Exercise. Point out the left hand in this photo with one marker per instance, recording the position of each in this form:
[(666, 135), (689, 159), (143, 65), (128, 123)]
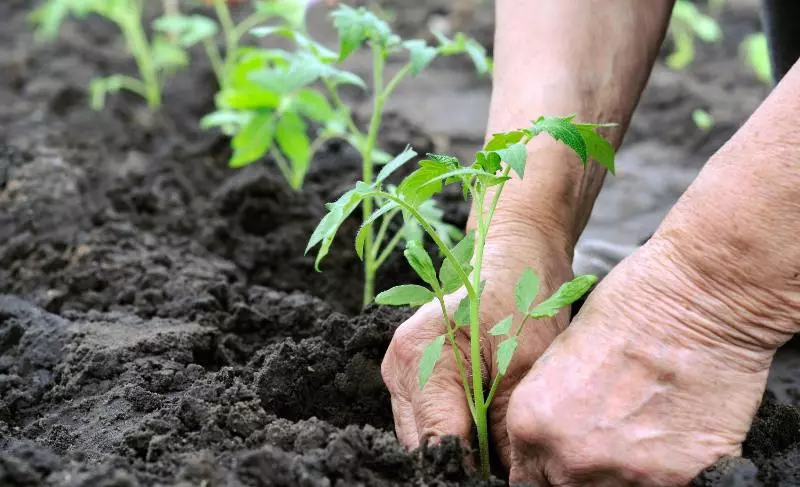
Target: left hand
[(656, 379)]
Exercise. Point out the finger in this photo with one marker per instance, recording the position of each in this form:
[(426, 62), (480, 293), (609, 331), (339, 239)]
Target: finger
[(405, 427), (441, 408)]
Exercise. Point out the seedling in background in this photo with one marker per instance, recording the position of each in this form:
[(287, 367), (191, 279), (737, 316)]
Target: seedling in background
[(483, 181), (273, 96), (755, 52), (156, 58), (688, 23)]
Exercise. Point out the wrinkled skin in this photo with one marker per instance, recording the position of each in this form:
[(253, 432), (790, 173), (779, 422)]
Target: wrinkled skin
[(643, 378)]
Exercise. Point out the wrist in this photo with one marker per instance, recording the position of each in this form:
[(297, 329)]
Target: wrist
[(732, 298), (553, 201)]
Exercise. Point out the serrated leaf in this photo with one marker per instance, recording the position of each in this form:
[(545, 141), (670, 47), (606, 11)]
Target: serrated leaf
[(361, 236), (463, 253), (503, 327), (355, 26), (405, 295), (503, 140), (505, 352), (393, 165), (414, 190), (189, 29), (526, 290), (168, 56), (564, 130), (313, 105), (292, 140), (293, 11), (254, 140), (421, 55), (428, 360), (461, 316), (421, 262), (597, 147), (338, 211), (567, 294), (516, 155), (465, 175), (488, 161), (300, 73)]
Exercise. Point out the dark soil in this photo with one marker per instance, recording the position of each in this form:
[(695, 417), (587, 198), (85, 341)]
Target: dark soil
[(160, 325)]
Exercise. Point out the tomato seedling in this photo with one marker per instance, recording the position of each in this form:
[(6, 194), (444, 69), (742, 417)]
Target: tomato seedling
[(156, 58), (273, 96), (462, 264)]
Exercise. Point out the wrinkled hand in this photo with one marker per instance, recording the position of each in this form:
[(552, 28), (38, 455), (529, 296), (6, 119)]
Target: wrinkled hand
[(651, 383), (441, 409)]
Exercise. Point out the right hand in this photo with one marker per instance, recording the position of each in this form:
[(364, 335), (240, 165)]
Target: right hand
[(440, 408)]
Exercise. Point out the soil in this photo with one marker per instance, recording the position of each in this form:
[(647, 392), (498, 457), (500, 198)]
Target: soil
[(159, 323)]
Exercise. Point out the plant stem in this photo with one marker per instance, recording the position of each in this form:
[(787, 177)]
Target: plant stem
[(217, 64), (387, 251), (448, 254), (283, 165), (229, 31), (387, 220), (378, 60), (137, 42), (476, 358), (451, 336)]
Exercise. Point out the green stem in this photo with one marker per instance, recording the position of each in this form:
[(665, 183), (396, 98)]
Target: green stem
[(217, 64), (229, 31), (378, 60), (386, 221), (283, 165), (137, 42), (249, 23), (475, 337), (387, 251), (451, 336), (434, 236), (342, 107)]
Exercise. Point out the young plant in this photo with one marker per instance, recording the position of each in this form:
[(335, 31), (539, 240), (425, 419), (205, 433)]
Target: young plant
[(483, 181), (156, 58), (688, 23), (272, 96)]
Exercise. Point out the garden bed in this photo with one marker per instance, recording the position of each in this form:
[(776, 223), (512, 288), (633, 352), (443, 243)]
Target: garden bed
[(159, 323)]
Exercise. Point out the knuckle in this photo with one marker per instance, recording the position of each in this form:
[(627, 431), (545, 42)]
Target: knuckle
[(526, 421)]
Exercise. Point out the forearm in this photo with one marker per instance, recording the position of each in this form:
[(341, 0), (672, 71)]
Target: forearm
[(557, 57), (738, 225)]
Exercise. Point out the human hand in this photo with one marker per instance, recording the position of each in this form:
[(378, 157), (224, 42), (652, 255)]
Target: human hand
[(659, 376), (441, 408)]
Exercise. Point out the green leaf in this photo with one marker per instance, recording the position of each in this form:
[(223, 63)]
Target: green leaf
[(361, 236), (293, 141), (293, 11), (393, 165), (465, 175), (247, 99), (755, 51), (488, 161), (503, 327), (463, 253), (429, 358), (702, 119), (567, 294), (477, 53), (355, 26), (503, 140), (229, 121), (405, 295), (564, 130), (597, 147), (526, 290), (414, 188), (298, 74), (421, 262), (313, 105), (189, 29), (516, 155), (254, 140), (461, 316), (168, 56), (338, 211), (421, 55), (505, 351)]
